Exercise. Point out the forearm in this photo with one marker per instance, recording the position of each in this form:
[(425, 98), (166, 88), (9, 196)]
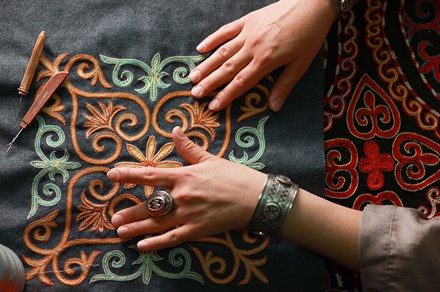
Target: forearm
[(324, 227)]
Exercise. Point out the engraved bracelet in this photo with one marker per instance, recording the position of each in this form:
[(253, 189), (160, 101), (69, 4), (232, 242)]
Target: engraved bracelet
[(275, 202)]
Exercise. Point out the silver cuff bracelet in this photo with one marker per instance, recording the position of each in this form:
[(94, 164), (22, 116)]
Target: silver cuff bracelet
[(275, 203)]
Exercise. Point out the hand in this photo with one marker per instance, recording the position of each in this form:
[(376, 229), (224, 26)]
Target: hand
[(211, 196), (287, 33)]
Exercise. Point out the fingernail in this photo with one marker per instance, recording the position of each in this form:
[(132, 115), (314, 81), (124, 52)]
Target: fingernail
[(194, 76), (142, 245), (201, 46), (117, 220), (276, 104), (122, 231), (213, 105), (113, 174), (196, 91), (179, 132)]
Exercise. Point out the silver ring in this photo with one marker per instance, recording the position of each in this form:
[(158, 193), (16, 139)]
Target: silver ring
[(159, 203)]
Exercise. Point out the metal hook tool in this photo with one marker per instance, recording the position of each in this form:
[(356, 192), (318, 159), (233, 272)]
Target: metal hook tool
[(40, 100)]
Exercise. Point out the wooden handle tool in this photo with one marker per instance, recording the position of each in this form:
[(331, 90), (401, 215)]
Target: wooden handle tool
[(40, 100), (31, 67)]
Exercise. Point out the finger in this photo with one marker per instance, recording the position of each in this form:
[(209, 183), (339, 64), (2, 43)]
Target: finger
[(242, 82), (225, 72), (219, 57), (169, 239), (190, 151), (221, 36), (284, 85), (131, 214), (151, 176), (151, 225)]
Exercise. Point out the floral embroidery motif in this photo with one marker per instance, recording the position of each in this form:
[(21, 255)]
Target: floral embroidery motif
[(155, 74), (98, 120), (202, 117), (148, 260), (149, 160), (49, 166), (374, 164), (93, 215)]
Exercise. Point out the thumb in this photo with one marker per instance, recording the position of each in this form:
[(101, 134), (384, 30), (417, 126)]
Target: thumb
[(190, 151)]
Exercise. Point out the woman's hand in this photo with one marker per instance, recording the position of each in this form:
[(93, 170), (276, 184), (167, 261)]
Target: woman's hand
[(211, 196), (287, 33)]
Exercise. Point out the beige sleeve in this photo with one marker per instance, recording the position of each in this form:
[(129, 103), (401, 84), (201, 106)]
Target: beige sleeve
[(399, 250)]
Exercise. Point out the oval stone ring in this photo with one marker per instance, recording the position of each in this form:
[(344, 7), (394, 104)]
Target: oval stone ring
[(159, 203)]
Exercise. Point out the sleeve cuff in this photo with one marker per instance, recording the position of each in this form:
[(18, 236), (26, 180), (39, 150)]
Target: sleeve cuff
[(374, 244), (398, 250)]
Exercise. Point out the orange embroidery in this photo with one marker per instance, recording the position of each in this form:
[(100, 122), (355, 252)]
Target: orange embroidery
[(149, 160), (173, 114), (249, 109), (43, 229), (92, 215), (98, 121), (108, 128), (202, 117), (241, 256)]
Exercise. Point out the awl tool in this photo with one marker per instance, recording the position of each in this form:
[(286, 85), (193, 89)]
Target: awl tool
[(31, 68), (40, 100)]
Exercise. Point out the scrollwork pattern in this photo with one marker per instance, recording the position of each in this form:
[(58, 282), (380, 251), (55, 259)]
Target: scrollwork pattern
[(249, 142), (177, 257), (155, 74), (390, 72), (241, 256), (114, 123), (49, 166)]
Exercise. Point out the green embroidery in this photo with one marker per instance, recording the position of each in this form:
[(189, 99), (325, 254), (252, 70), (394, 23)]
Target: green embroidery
[(155, 74), (49, 166), (249, 142), (177, 258)]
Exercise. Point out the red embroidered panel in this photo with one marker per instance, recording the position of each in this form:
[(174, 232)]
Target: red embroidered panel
[(381, 111)]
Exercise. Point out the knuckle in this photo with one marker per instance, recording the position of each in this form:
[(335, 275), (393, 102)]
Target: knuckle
[(226, 28), (239, 81), (228, 68), (183, 198), (189, 145), (223, 52), (147, 172), (174, 238), (257, 41), (284, 87), (264, 57)]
